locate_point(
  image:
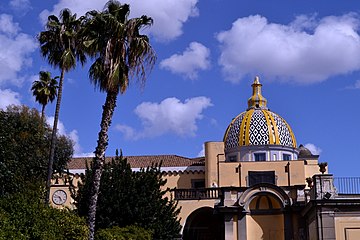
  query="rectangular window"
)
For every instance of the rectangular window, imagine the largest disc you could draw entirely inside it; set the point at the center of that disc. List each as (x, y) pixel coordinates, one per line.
(286, 157)
(256, 177)
(259, 157)
(197, 183)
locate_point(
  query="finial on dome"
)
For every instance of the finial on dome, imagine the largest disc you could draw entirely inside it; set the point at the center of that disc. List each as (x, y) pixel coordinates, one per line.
(257, 100)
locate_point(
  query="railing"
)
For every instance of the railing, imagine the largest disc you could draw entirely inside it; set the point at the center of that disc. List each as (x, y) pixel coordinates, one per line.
(196, 194)
(347, 185)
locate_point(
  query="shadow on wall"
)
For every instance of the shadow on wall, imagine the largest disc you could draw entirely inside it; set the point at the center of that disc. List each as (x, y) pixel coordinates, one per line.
(190, 179)
(267, 220)
(203, 224)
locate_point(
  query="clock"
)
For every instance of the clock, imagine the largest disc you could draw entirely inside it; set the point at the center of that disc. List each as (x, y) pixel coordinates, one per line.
(59, 197)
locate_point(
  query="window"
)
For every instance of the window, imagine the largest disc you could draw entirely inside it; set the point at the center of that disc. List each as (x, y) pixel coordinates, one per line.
(261, 177)
(197, 183)
(259, 157)
(286, 157)
(232, 158)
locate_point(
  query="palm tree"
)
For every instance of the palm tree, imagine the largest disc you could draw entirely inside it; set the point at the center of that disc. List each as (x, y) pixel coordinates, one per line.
(44, 90)
(60, 46)
(120, 53)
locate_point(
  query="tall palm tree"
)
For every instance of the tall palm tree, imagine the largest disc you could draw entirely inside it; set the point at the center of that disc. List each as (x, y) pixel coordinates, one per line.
(44, 90)
(59, 44)
(121, 53)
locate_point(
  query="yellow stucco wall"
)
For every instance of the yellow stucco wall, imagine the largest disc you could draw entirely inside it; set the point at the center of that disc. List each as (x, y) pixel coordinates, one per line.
(347, 228)
(223, 173)
(265, 227)
(312, 168)
(230, 176)
(235, 173)
(182, 179)
(214, 152)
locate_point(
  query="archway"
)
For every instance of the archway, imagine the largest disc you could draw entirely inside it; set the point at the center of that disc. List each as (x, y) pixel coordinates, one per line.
(203, 224)
(266, 218)
(267, 215)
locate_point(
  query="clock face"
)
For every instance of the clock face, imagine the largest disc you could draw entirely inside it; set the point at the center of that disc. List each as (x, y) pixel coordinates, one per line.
(59, 197)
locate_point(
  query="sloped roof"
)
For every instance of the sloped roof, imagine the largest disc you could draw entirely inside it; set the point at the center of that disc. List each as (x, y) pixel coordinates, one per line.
(144, 161)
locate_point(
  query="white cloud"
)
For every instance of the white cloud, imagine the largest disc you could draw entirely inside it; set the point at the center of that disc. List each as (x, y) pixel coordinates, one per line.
(306, 51)
(8, 97)
(304, 22)
(20, 5)
(193, 59)
(7, 26)
(60, 126)
(15, 52)
(169, 16)
(127, 131)
(356, 85)
(313, 149)
(202, 152)
(73, 135)
(77, 6)
(168, 116)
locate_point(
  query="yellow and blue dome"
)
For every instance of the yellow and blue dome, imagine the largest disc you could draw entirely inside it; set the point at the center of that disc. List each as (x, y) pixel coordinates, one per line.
(258, 125)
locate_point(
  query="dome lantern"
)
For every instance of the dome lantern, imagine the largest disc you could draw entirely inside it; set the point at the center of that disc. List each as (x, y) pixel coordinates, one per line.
(257, 100)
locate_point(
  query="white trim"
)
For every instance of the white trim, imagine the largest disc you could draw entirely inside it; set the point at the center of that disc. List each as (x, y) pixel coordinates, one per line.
(163, 169)
(77, 171)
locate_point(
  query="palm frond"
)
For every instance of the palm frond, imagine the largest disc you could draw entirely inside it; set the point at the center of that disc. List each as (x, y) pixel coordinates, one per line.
(60, 38)
(45, 89)
(120, 50)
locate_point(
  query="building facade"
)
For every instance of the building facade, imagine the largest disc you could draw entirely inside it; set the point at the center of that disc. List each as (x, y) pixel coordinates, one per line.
(256, 183)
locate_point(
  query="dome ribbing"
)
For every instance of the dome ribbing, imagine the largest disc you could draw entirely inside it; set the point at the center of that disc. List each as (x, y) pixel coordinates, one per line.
(258, 125)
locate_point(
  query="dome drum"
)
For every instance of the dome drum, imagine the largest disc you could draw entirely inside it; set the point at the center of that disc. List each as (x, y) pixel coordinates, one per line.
(262, 153)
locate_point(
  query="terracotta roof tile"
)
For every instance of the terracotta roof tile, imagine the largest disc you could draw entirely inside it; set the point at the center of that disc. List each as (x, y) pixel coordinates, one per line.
(144, 161)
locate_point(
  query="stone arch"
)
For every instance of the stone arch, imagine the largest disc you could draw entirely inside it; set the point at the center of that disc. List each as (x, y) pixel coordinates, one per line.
(266, 211)
(264, 189)
(203, 224)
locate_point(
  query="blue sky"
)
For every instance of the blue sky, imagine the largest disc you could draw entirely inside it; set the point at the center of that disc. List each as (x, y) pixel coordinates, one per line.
(307, 57)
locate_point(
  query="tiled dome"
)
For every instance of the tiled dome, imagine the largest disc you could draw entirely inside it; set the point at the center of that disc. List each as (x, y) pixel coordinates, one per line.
(258, 125)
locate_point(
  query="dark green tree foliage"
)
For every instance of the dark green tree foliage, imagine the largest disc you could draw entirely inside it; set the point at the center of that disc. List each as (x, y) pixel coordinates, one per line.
(131, 198)
(125, 233)
(24, 216)
(64, 150)
(24, 149)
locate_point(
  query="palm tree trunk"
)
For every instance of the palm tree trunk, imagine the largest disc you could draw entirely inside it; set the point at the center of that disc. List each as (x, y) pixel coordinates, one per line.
(43, 113)
(53, 138)
(98, 162)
